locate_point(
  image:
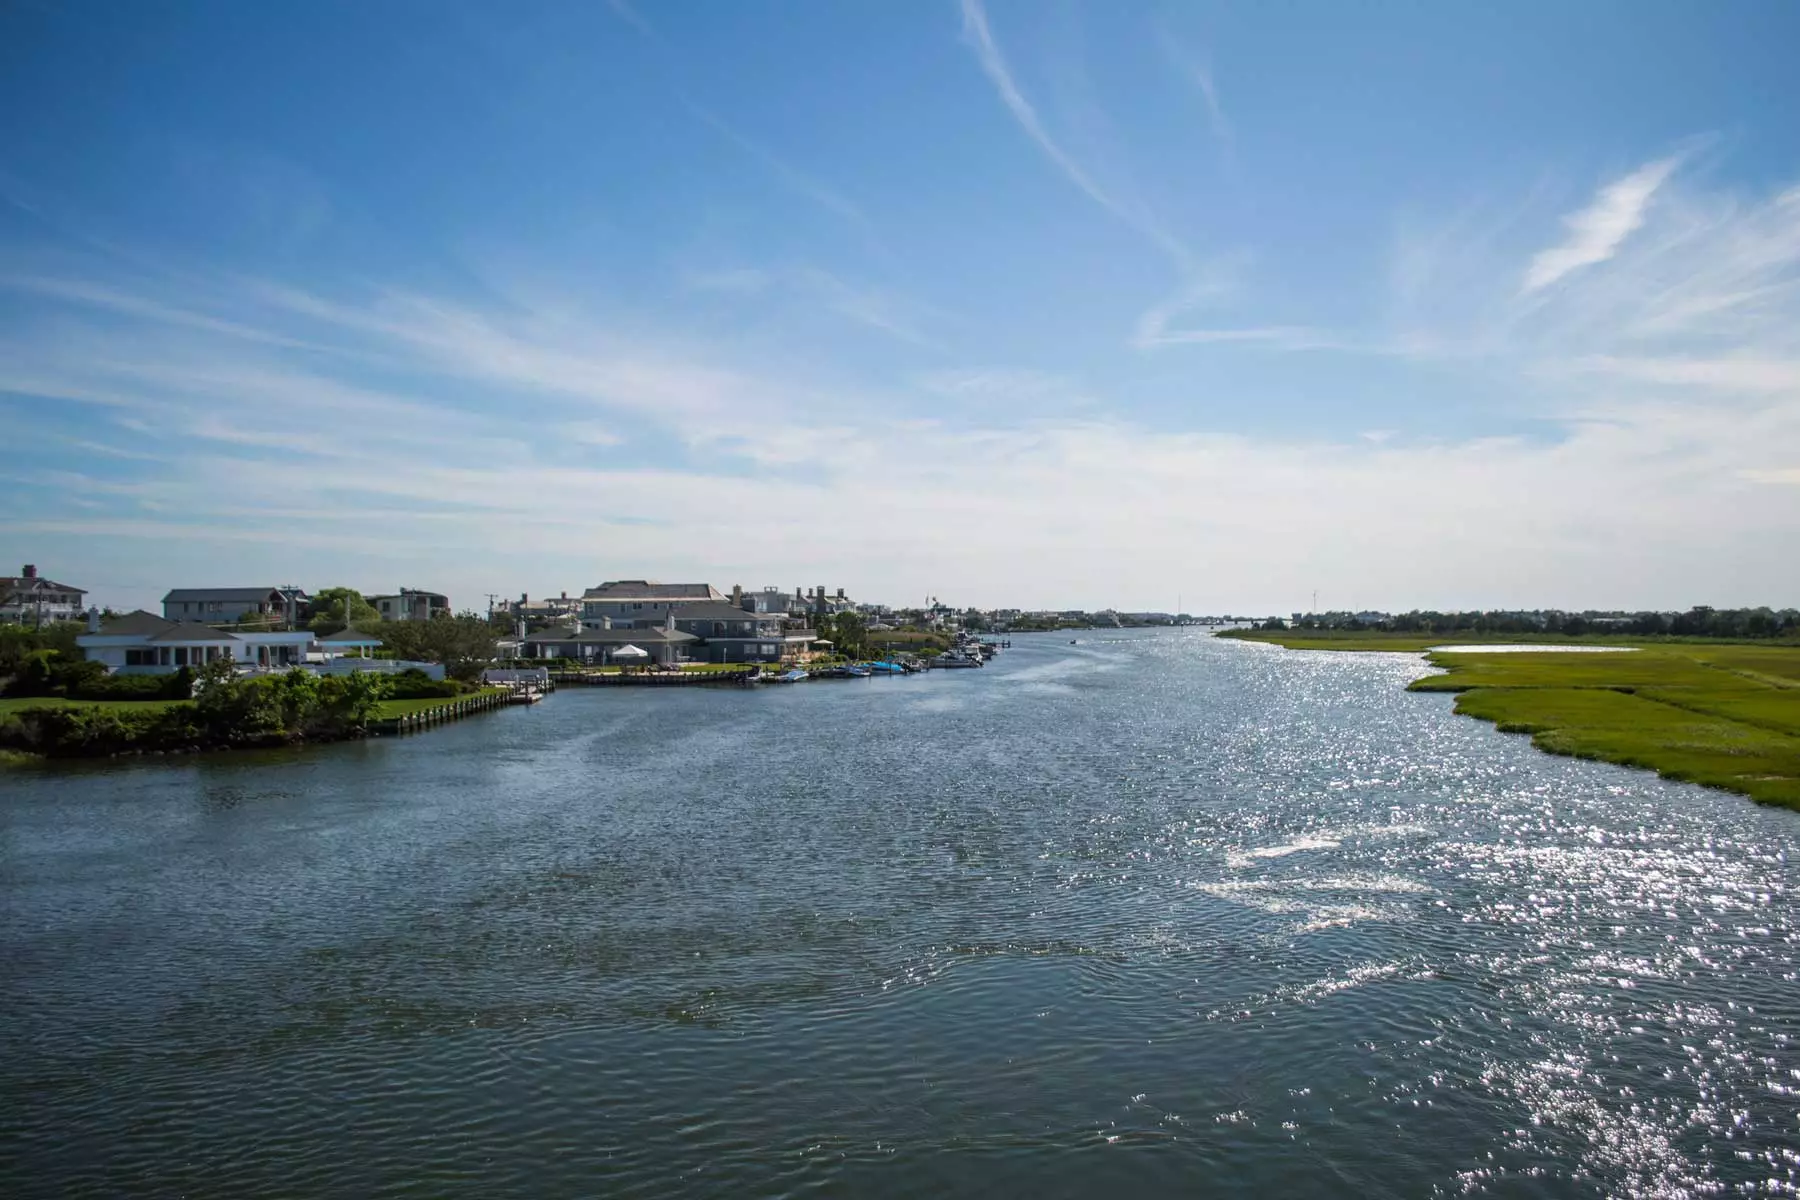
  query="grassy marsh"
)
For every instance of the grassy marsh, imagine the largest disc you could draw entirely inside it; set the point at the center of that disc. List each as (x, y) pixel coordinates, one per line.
(1722, 714)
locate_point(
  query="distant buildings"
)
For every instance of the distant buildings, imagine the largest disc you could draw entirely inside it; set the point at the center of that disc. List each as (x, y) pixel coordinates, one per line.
(411, 605)
(29, 599)
(553, 610)
(233, 605)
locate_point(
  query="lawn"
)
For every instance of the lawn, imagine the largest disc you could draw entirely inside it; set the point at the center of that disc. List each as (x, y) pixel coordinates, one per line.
(1723, 714)
(21, 703)
(406, 708)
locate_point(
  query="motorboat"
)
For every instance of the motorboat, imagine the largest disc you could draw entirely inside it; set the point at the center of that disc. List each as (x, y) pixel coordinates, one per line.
(794, 675)
(955, 658)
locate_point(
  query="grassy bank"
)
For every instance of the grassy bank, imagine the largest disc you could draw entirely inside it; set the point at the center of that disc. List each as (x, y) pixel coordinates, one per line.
(22, 703)
(1722, 714)
(387, 710)
(1372, 639)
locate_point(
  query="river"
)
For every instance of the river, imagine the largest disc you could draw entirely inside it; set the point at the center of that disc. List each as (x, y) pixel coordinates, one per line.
(1151, 915)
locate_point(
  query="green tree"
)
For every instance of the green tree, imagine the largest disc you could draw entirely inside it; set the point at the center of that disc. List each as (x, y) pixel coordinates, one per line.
(464, 643)
(339, 608)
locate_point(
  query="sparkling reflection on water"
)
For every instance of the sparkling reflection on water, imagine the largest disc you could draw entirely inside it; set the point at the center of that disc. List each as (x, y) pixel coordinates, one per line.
(1153, 914)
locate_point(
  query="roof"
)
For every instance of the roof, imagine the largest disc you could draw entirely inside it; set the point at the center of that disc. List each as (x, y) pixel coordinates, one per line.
(193, 631)
(134, 624)
(179, 595)
(706, 611)
(351, 636)
(646, 589)
(606, 637)
(35, 583)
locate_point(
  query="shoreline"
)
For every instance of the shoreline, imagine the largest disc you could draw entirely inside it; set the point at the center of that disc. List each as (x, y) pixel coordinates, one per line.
(1716, 713)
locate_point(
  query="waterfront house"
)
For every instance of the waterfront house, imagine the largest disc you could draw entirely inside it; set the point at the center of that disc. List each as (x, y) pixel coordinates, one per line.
(732, 635)
(410, 604)
(641, 600)
(663, 645)
(284, 606)
(142, 643)
(29, 599)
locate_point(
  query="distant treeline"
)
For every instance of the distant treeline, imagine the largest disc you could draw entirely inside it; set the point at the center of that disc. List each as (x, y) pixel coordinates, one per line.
(1699, 621)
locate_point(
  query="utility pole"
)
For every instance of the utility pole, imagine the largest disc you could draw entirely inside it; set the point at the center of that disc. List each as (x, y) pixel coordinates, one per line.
(492, 596)
(1315, 607)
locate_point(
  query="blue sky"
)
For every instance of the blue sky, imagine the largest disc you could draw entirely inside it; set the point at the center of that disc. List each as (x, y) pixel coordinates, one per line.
(1034, 303)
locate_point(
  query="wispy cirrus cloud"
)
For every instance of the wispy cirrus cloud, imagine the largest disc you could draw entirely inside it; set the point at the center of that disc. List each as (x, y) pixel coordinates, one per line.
(1596, 231)
(979, 37)
(1198, 71)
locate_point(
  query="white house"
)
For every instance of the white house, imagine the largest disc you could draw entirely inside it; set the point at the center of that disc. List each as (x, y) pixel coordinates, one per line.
(143, 643)
(29, 599)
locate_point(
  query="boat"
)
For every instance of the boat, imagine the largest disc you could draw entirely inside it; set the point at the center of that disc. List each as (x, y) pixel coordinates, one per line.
(524, 696)
(886, 668)
(795, 675)
(845, 671)
(953, 658)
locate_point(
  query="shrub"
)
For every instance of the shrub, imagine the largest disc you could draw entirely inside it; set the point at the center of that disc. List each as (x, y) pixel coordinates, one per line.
(414, 684)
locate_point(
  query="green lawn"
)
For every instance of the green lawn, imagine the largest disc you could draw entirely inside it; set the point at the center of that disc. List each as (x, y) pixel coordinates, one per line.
(1723, 714)
(20, 704)
(406, 708)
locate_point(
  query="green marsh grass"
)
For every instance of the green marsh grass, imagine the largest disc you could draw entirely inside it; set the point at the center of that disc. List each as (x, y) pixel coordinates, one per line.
(1722, 714)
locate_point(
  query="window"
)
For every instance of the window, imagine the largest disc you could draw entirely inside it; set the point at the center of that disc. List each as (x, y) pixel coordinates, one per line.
(140, 658)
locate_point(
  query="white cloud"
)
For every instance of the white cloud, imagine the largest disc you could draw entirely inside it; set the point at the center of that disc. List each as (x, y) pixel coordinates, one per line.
(476, 446)
(980, 38)
(1596, 232)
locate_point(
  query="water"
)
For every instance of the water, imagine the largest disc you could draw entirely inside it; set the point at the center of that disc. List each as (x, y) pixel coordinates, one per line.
(1151, 915)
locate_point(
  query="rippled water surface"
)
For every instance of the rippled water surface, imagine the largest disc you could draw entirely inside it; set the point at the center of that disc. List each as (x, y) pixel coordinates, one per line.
(1150, 915)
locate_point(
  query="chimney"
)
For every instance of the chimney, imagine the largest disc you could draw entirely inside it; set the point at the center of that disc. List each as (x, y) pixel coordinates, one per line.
(93, 619)
(737, 595)
(840, 593)
(606, 622)
(30, 572)
(519, 629)
(669, 620)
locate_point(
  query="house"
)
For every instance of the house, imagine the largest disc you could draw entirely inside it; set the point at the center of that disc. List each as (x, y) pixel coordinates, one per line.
(142, 643)
(765, 600)
(663, 645)
(231, 606)
(411, 605)
(641, 600)
(731, 635)
(29, 599)
(554, 610)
